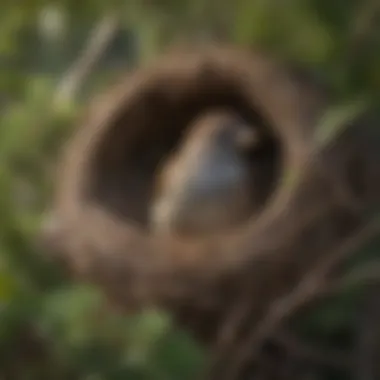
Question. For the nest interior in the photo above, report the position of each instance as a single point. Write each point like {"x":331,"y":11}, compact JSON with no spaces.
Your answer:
{"x":148,"y":113}
{"x":153,"y":121}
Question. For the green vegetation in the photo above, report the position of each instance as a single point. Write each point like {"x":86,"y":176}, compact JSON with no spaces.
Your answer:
{"x":50,"y":327}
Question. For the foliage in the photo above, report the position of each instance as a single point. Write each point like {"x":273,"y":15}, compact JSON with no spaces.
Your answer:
{"x":50,"y":327}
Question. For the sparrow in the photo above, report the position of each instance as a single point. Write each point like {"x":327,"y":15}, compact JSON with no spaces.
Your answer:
{"x":205,"y":186}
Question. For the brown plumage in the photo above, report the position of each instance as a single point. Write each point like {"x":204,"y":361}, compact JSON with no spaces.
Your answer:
{"x":205,"y":185}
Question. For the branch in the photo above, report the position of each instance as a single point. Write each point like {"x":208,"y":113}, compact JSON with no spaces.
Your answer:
{"x":100,"y":38}
{"x":308,"y":289}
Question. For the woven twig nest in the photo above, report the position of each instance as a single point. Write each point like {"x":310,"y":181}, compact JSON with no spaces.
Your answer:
{"x":106,"y":179}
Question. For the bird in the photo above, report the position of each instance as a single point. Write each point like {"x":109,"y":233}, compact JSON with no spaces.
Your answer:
{"x":204,"y":187}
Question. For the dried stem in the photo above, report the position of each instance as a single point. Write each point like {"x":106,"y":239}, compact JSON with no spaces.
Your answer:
{"x":308,"y":289}
{"x":99,"y":40}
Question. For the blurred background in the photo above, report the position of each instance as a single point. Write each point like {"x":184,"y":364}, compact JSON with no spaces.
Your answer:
{"x":53,"y":56}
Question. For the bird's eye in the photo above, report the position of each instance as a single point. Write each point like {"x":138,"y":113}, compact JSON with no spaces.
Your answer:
{"x":247,"y":138}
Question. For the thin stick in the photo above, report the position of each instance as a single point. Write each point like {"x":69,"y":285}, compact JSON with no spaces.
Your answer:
{"x":99,"y":40}
{"x":308,"y":288}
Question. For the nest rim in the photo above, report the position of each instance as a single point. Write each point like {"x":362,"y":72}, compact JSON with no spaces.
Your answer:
{"x":279,"y":104}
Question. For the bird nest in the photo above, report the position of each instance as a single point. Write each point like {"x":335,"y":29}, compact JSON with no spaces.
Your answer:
{"x":223,"y":287}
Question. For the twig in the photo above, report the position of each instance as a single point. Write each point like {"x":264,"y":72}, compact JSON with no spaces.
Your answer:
{"x":226,"y":342}
{"x":308,"y":288}
{"x":99,"y":40}
{"x":365,"y":275}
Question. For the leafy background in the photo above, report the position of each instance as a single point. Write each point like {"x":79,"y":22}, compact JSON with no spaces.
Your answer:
{"x":50,"y":326}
